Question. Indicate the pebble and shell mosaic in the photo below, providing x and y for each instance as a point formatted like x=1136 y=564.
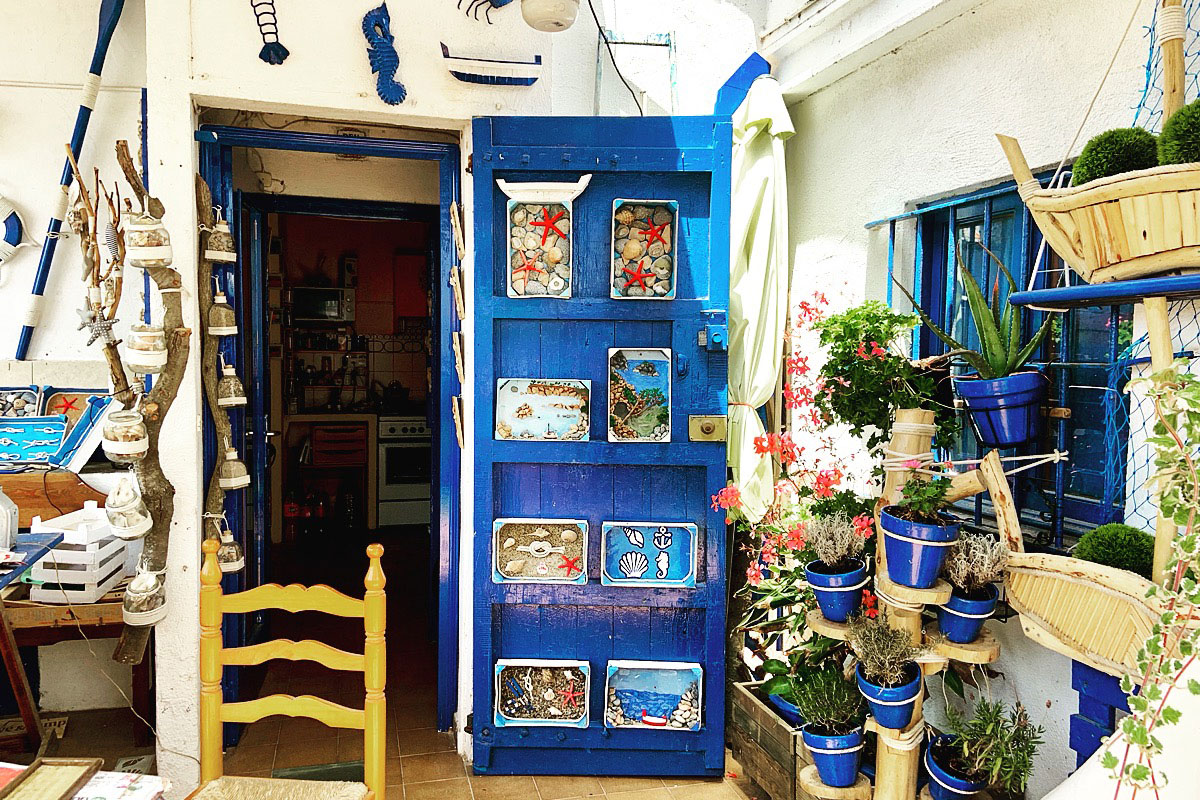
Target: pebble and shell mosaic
x=19 y=402
x=541 y=694
x=643 y=243
x=540 y=550
x=539 y=249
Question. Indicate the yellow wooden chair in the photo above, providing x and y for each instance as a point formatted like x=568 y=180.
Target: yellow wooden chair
x=214 y=656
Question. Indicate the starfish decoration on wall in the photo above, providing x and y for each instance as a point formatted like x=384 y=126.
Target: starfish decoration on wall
x=637 y=276
x=66 y=404
x=570 y=696
x=654 y=233
x=529 y=265
x=571 y=565
x=546 y=223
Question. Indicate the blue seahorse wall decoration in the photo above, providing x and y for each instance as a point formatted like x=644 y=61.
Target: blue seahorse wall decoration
x=382 y=54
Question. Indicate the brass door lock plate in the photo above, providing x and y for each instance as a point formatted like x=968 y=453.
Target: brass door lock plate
x=703 y=428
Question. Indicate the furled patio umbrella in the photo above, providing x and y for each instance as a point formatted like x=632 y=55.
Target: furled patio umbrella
x=758 y=281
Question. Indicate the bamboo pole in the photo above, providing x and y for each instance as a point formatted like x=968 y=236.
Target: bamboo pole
x=1174 y=71
x=1162 y=353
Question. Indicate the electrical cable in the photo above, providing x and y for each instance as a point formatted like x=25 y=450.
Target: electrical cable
x=612 y=57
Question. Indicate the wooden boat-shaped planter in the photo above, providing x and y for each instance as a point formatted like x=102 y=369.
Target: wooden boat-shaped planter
x=1133 y=225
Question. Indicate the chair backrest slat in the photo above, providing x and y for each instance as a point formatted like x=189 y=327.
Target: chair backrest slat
x=292 y=598
x=306 y=650
x=332 y=714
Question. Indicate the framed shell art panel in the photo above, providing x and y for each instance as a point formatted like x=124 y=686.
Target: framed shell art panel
x=665 y=695
x=543 y=692
x=648 y=554
x=543 y=409
x=639 y=394
x=644 y=256
x=539 y=550
x=540 y=247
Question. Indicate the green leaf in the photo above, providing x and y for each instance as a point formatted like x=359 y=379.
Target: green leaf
x=977 y=361
x=778 y=685
x=1025 y=352
x=1108 y=760
x=1193 y=686
x=954 y=682
x=773 y=666
x=1171 y=715
x=989 y=337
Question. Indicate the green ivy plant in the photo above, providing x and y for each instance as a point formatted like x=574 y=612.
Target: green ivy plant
x=1173 y=642
x=999 y=326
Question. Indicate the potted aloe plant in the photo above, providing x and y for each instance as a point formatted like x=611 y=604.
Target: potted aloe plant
x=887 y=671
x=973 y=566
x=838 y=574
x=1004 y=399
x=917 y=533
x=993 y=748
x=833 y=733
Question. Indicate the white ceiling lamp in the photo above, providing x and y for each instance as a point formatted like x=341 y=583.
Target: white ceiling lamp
x=550 y=16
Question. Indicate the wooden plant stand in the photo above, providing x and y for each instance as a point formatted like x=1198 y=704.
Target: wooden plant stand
x=768 y=748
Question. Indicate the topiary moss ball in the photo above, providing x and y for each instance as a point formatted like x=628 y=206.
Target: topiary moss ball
x=1180 y=139
x=1117 y=545
x=1113 y=152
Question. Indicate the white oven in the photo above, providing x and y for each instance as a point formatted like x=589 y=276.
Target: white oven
x=405 y=470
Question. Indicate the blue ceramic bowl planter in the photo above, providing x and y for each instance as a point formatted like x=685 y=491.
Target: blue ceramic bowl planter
x=916 y=550
x=962 y=618
x=892 y=706
x=839 y=594
x=837 y=757
x=1005 y=412
x=944 y=784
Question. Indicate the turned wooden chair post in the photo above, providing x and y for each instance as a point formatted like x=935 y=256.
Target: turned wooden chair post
x=211 y=757
x=375 y=669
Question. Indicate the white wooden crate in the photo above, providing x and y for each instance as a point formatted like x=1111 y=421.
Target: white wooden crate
x=88 y=563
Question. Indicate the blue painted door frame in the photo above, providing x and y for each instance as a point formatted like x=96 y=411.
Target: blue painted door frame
x=216 y=166
x=677 y=158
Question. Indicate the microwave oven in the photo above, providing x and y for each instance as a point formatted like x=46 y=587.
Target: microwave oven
x=312 y=304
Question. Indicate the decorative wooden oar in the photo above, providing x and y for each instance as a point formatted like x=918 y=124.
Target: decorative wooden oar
x=110 y=14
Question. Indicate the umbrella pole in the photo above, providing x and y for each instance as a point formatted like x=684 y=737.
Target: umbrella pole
x=110 y=14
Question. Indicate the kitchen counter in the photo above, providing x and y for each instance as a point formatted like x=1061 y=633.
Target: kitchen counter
x=372 y=423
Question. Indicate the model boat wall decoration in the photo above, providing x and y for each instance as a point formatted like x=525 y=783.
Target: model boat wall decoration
x=493 y=71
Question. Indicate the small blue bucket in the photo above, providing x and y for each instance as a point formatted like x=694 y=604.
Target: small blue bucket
x=942 y=784
x=838 y=594
x=915 y=550
x=892 y=706
x=1005 y=412
x=837 y=757
x=789 y=711
x=962 y=618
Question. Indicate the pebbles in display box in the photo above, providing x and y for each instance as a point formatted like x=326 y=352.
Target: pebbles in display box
x=653 y=694
x=643 y=247
x=539 y=551
x=19 y=402
x=542 y=692
x=538 y=230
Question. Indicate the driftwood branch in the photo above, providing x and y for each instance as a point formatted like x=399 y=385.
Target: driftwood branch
x=214 y=501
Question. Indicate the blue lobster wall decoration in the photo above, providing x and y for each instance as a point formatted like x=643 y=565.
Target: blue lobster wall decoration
x=268 y=27
x=377 y=27
x=486 y=5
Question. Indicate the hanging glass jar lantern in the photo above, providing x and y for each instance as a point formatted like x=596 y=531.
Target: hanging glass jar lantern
x=230 y=557
x=233 y=471
x=220 y=242
x=147 y=243
x=127 y=514
x=145 y=599
x=146 y=349
x=125 y=438
x=222 y=321
x=230 y=392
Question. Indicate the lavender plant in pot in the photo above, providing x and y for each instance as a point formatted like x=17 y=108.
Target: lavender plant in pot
x=839 y=572
x=973 y=566
x=993 y=748
x=833 y=733
x=917 y=533
x=887 y=672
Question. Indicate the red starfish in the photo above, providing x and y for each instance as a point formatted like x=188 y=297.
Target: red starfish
x=571 y=565
x=546 y=223
x=530 y=265
x=569 y=696
x=637 y=276
x=65 y=405
x=654 y=232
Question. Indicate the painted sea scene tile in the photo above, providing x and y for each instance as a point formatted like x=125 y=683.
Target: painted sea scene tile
x=542 y=692
x=539 y=551
x=648 y=554
x=653 y=694
x=639 y=395
x=543 y=409
x=644 y=261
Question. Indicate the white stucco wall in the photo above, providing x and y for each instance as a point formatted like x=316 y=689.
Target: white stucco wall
x=918 y=123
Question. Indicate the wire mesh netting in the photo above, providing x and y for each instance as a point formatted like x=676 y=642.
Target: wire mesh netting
x=1150 y=106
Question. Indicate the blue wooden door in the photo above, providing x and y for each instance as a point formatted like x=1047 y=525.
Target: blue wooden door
x=647 y=654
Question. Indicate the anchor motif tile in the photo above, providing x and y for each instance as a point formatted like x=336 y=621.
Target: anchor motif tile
x=639 y=395
x=648 y=554
x=543 y=692
x=662 y=695
x=539 y=550
x=644 y=260
x=543 y=409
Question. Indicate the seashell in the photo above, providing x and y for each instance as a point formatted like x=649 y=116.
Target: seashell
x=548 y=694
x=633 y=249
x=541 y=568
x=556 y=285
x=569 y=534
x=509 y=542
x=514 y=566
x=624 y=215
x=662 y=537
x=635 y=537
x=634 y=565
x=553 y=255
x=519 y=217
x=554 y=712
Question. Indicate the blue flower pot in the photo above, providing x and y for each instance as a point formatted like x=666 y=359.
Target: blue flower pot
x=837 y=757
x=962 y=618
x=892 y=706
x=787 y=710
x=915 y=551
x=1005 y=412
x=839 y=594
x=944 y=784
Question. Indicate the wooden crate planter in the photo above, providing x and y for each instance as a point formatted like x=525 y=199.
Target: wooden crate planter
x=767 y=747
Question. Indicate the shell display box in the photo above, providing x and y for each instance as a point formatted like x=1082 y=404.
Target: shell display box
x=542 y=692
x=86 y=565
